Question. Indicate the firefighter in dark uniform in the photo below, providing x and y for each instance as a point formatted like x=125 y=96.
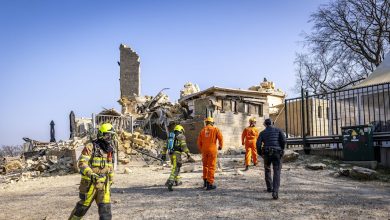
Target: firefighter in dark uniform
x=270 y=144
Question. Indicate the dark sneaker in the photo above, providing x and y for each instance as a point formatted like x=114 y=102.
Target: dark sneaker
x=211 y=186
x=275 y=195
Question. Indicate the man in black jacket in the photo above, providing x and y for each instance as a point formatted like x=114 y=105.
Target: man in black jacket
x=273 y=141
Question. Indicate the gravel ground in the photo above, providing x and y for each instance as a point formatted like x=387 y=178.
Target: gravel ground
x=304 y=194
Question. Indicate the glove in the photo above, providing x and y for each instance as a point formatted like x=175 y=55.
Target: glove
x=94 y=177
x=242 y=143
x=281 y=153
x=164 y=157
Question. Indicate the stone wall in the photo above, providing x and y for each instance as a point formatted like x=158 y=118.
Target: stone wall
x=130 y=83
x=231 y=125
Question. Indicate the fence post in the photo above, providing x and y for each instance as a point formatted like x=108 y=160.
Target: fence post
x=286 y=118
x=336 y=118
x=308 y=114
x=306 y=148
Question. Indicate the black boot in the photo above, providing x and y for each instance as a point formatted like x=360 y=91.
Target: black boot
x=170 y=186
x=211 y=186
x=275 y=195
x=246 y=168
x=204 y=183
x=178 y=182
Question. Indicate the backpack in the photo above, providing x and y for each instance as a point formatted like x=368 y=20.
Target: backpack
x=171 y=142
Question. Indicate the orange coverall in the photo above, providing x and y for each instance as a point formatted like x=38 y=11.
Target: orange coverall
x=249 y=137
x=207 y=143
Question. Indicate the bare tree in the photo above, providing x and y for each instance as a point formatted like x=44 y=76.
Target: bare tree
x=10 y=151
x=349 y=39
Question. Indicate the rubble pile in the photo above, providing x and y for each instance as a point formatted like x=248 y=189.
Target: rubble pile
x=189 y=88
x=138 y=143
x=33 y=145
x=21 y=169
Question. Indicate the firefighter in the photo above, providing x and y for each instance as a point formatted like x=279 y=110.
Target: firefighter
x=176 y=146
x=96 y=169
x=207 y=143
x=248 y=138
x=273 y=141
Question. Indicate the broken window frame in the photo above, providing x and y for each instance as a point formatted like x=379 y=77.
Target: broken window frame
x=260 y=110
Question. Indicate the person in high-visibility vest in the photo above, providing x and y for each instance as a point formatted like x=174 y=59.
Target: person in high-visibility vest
x=176 y=146
x=207 y=143
x=248 y=138
x=96 y=169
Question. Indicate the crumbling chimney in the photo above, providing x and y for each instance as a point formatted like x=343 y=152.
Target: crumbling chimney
x=130 y=82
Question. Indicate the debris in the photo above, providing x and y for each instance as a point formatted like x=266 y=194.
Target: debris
x=344 y=171
x=316 y=166
x=238 y=172
x=189 y=88
x=127 y=171
x=290 y=156
x=361 y=173
x=188 y=168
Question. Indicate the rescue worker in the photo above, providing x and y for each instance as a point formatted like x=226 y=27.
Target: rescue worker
x=248 y=138
x=176 y=145
x=273 y=141
x=96 y=169
x=207 y=143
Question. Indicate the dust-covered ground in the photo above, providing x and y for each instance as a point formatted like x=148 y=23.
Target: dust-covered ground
x=304 y=194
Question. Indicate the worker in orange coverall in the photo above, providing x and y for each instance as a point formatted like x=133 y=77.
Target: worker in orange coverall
x=207 y=143
x=248 y=138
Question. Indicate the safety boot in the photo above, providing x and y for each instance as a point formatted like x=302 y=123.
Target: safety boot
x=275 y=195
x=170 y=186
x=211 y=186
x=204 y=183
x=246 y=168
x=178 y=182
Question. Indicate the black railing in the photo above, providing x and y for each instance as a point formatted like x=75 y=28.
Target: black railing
x=317 y=119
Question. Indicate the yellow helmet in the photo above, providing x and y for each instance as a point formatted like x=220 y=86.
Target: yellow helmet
x=106 y=128
x=252 y=120
x=209 y=119
x=179 y=128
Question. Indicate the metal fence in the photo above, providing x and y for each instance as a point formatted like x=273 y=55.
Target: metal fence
x=317 y=119
x=118 y=122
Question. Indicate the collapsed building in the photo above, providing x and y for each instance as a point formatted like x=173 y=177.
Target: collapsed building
x=144 y=121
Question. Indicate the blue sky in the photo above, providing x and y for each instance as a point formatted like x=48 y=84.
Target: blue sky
x=57 y=56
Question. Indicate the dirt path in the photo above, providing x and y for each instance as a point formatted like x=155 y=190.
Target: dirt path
x=304 y=194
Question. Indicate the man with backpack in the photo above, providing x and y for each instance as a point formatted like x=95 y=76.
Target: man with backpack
x=176 y=145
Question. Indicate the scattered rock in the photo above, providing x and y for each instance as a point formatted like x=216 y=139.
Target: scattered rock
x=361 y=173
x=127 y=171
x=188 y=168
x=290 y=156
x=316 y=166
x=238 y=172
x=344 y=172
